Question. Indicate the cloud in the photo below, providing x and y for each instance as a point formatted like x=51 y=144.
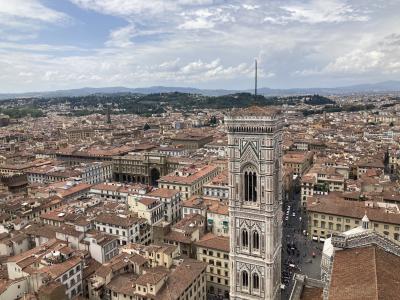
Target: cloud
x=207 y=43
x=357 y=61
x=376 y=56
x=22 y=19
x=250 y=7
x=323 y=11
x=121 y=37
x=30 y=9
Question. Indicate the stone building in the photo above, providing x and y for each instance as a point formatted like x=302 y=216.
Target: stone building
x=255 y=181
x=143 y=167
x=191 y=141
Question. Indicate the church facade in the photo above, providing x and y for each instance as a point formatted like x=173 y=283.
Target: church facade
x=255 y=200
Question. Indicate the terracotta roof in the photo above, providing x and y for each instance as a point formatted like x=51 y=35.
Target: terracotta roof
x=181 y=279
x=151 y=277
x=177 y=237
x=163 y=193
x=311 y=293
x=147 y=201
x=46 y=231
x=91 y=266
x=296 y=157
x=214 y=242
x=211 y=204
x=123 y=284
x=188 y=179
x=113 y=219
x=365 y=273
x=334 y=205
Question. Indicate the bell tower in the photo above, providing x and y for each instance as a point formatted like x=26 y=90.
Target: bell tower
x=255 y=202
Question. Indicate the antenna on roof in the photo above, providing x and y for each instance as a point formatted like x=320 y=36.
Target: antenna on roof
x=255 y=81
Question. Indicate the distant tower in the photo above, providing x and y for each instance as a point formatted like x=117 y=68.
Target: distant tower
x=109 y=114
x=255 y=202
x=255 y=82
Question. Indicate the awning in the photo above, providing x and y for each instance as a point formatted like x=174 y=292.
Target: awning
x=315 y=238
x=322 y=239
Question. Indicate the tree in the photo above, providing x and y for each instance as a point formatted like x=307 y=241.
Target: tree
x=213 y=120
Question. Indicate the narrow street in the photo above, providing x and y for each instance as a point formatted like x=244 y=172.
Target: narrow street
x=299 y=254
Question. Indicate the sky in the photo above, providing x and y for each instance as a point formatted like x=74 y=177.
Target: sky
x=62 y=44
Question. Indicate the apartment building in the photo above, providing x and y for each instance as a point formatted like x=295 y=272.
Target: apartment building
x=214 y=210
x=52 y=261
x=186 y=281
x=214 y=250
x=103 y=247
x=161 y=255
x=14 y=168
x=185 y=233
x=191 y=141
x=117 y=191
x=171 y=200
x=218 y=187
x=332 y=214
x=189 y=181
x=321 y=181
x=127 y=228
x=364 y=165
x=91 y=173
x=147 y=208
x=300 y=162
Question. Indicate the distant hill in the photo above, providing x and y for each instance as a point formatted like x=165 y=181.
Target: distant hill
x=386 y=86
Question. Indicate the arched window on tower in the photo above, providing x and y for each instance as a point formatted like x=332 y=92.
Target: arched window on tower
x=245 y=238
x=250 y=184
x=256 y=281
x=256 y=240
x=245 y=279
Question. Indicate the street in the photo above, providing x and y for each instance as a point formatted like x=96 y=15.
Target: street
x=299 y=254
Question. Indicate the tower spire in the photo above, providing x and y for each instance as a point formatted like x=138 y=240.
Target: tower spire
x=255 y=81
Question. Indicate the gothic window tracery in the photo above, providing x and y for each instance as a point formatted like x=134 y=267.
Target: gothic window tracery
x=256 y=240
x=245 y=279
x=250 y=184
x=256 y=281
x=245 y=238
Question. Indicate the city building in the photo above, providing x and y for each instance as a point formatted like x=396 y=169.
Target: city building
x=214 y=210
x=191 y=141
x=161 y=255
x=147 y=208
x=145 y=167
x=334 y=215
x=103 y=247
x=127 y=228
x=113 y=191
x=91 y=173
x=189 y=181
x=52 y=261
x=171 y=200
x=218 y=187
x=300 y=162
x=214 y=250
